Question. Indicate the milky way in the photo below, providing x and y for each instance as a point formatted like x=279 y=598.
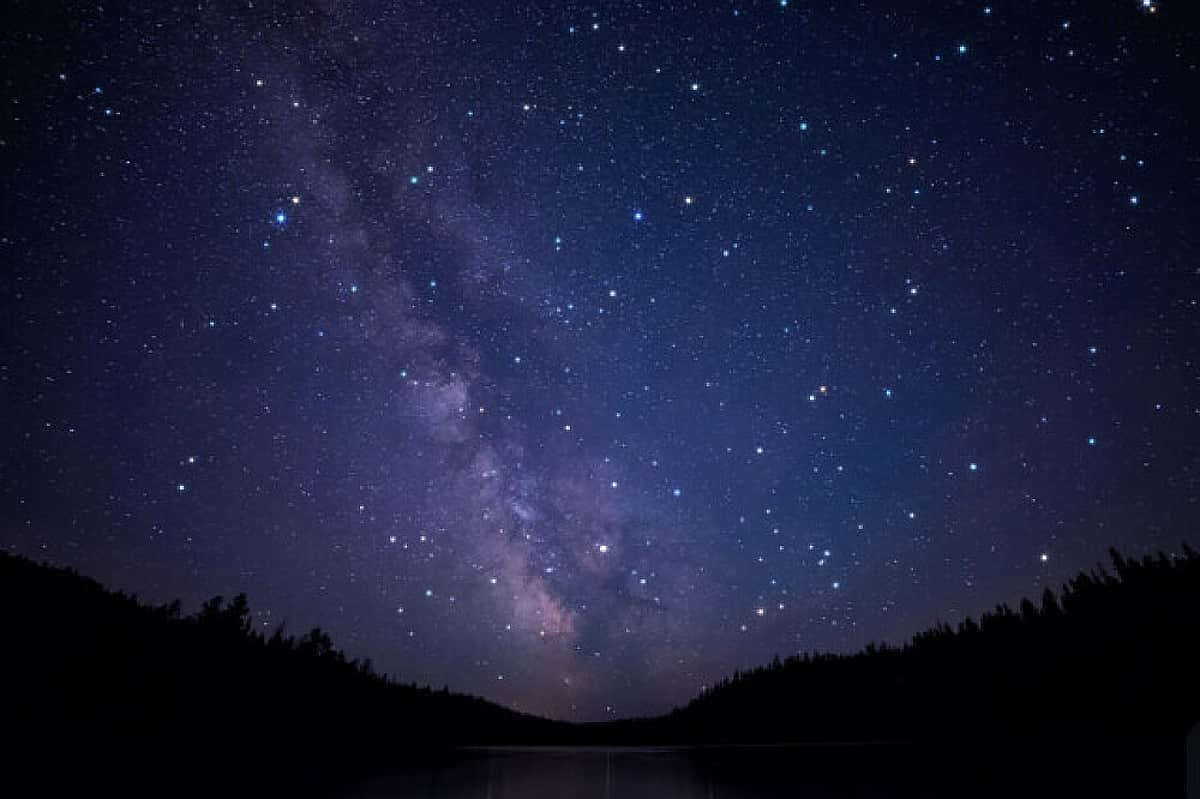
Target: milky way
x=576 y=356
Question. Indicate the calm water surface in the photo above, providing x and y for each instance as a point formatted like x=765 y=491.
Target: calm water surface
x=809 y=772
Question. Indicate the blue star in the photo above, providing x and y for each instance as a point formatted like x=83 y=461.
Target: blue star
x=638 y=216
x=962 y=49
x=279 y=218
x=1091 y=441
x=676 y=492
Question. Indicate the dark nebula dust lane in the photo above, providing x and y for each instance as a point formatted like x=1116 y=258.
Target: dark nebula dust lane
x=578 y=355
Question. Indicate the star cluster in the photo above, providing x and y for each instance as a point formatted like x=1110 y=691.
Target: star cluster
x=576 y=356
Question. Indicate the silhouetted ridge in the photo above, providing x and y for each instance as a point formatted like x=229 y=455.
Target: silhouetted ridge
x=77 y=656
x=1113 y=654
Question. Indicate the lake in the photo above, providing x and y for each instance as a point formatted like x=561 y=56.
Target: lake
x=812 y=772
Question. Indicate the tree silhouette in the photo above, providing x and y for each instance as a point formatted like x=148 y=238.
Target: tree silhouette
x=1111 y=654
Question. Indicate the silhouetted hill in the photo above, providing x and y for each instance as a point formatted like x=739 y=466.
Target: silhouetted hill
x=78 y=657
x=1113 y=656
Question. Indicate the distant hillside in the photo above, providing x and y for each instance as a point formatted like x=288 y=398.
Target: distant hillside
x=1113 y=655
x=78 y=657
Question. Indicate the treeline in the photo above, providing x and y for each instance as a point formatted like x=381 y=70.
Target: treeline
x=77 y=656
x=1115 y=654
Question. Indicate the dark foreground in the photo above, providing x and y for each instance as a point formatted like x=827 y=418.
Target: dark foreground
x=810 y=771
x=248 y=766
x=1090 y=693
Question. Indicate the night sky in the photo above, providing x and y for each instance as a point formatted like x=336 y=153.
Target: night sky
x=578 y=355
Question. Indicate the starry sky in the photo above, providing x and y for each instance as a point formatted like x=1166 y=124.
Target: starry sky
x=577 y=355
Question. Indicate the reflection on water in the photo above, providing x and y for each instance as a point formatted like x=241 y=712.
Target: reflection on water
x=532 y=774
x=749 y=773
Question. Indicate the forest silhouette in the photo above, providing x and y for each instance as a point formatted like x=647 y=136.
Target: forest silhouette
x=1112 y=655
x=78 y=656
